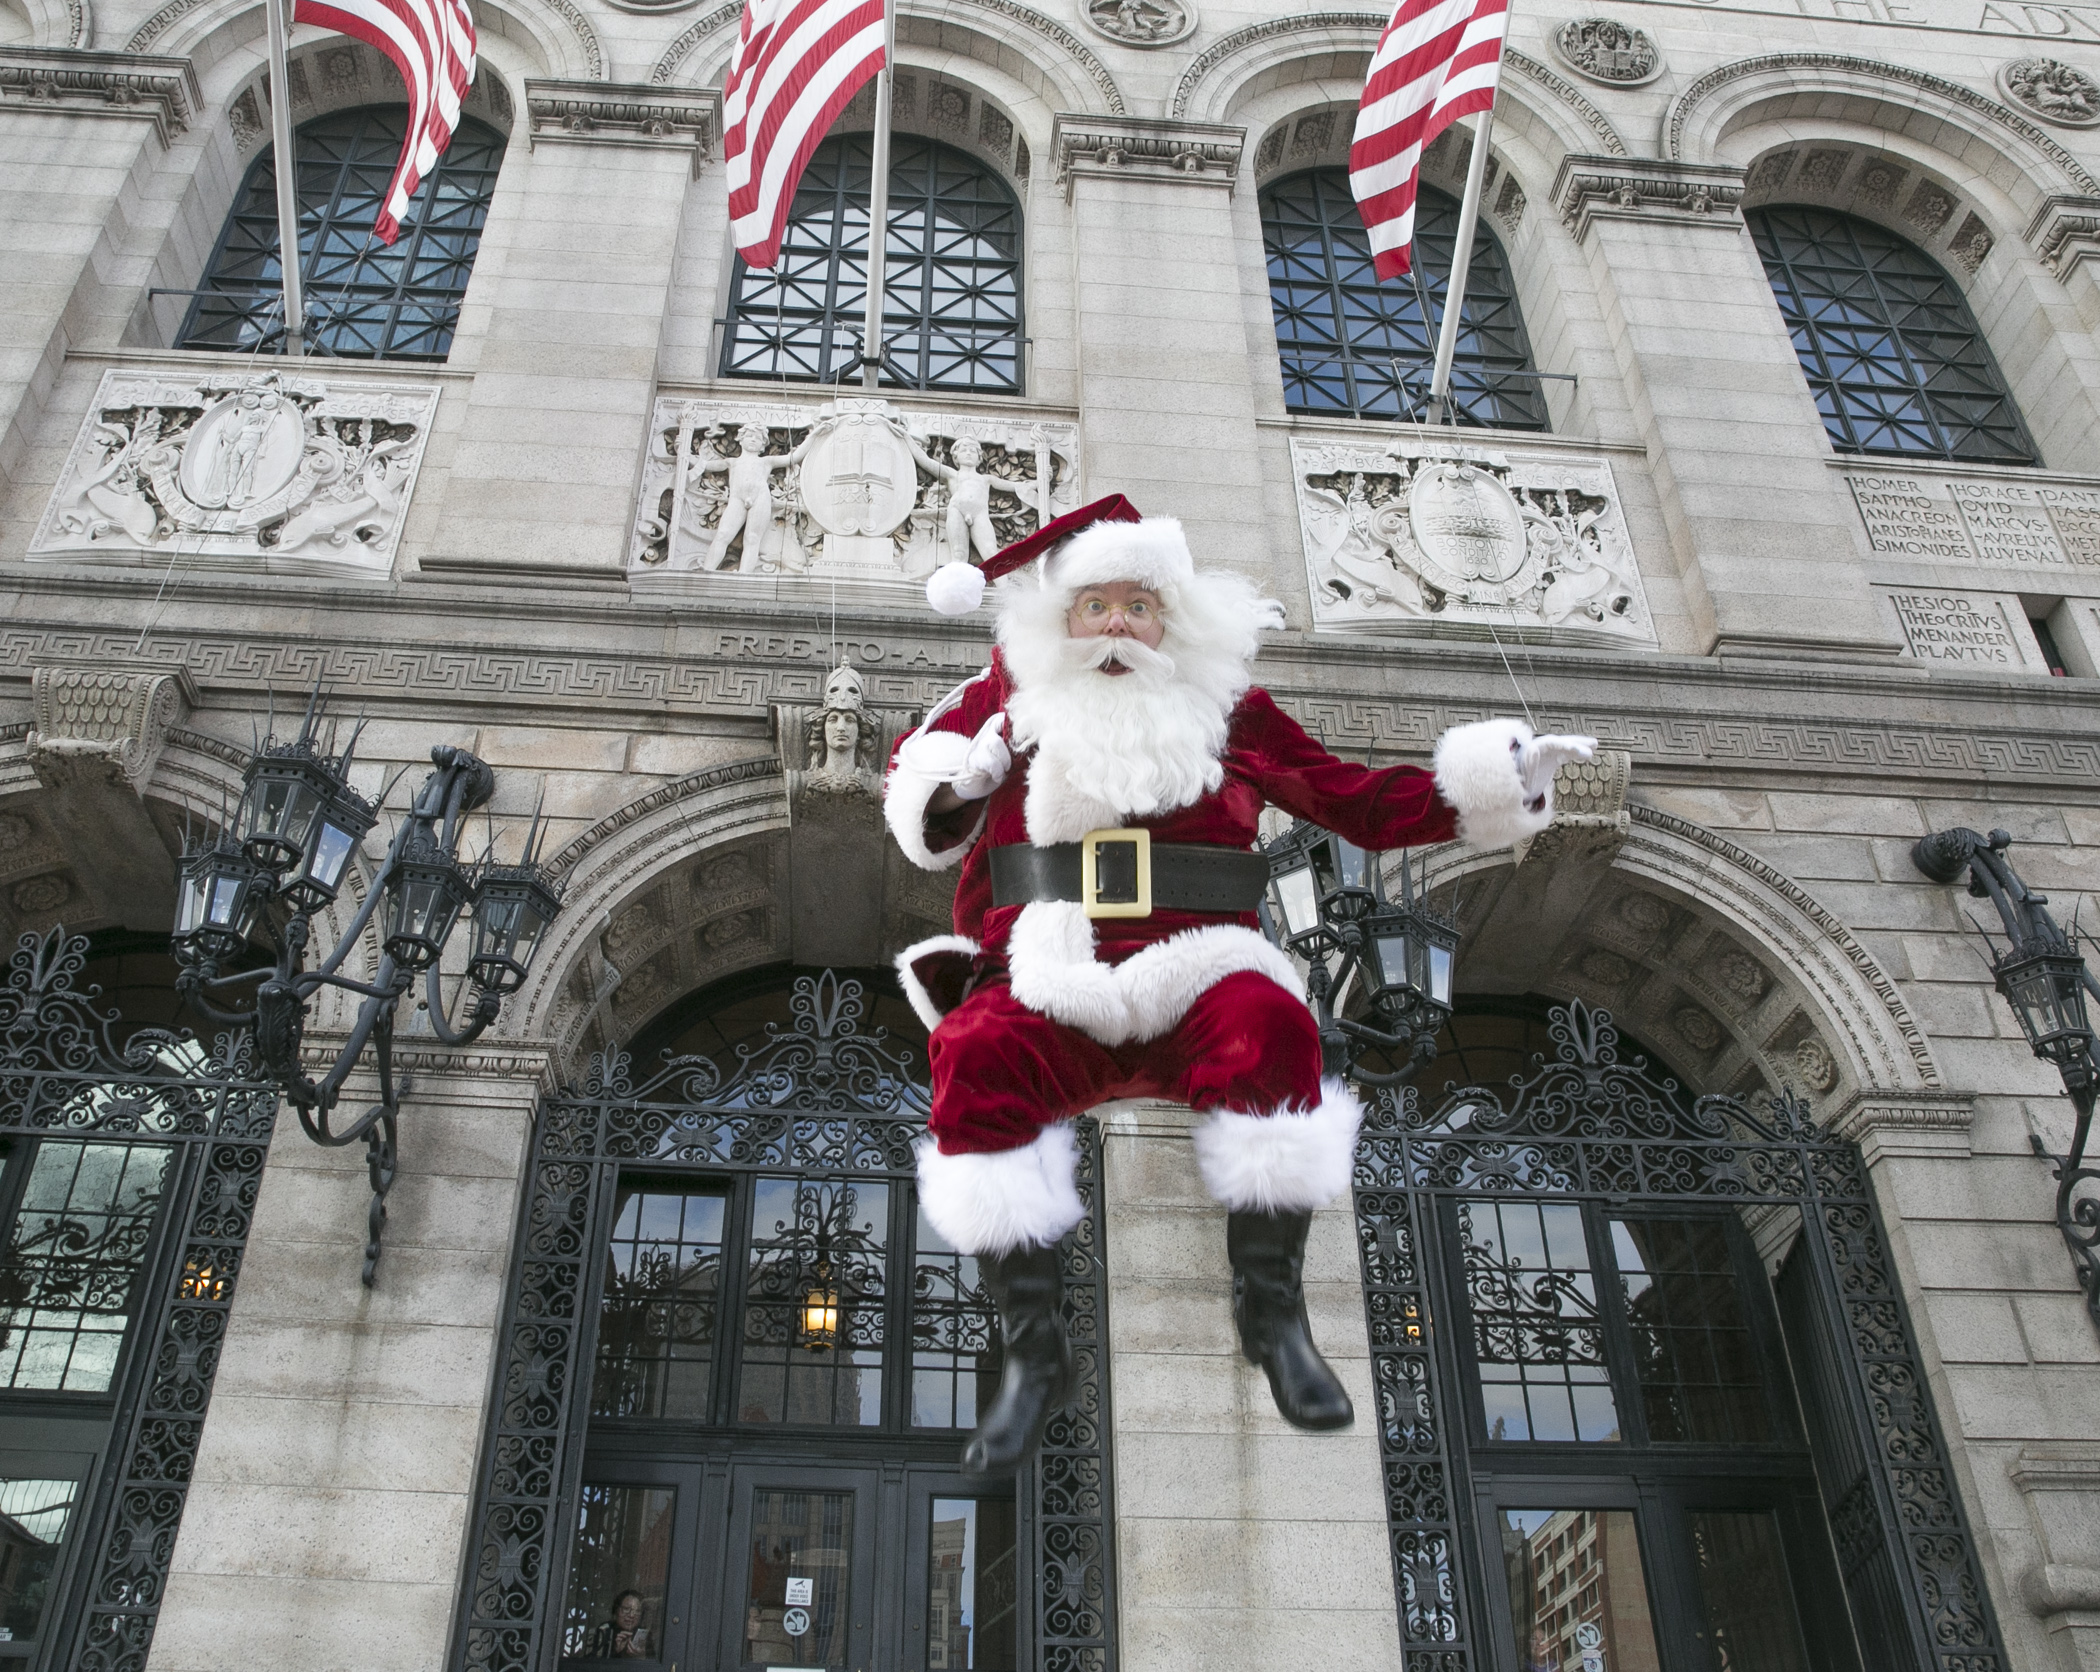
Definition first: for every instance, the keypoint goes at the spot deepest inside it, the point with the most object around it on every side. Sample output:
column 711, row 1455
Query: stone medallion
column 2052, row 90
column 245, row 448
column 1607, row 50
column 1141, row 22
column 1470, row 531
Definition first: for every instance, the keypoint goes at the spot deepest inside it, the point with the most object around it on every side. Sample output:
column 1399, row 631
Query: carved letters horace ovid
column 856, row 489
column 240, row 466
column 1442, row 533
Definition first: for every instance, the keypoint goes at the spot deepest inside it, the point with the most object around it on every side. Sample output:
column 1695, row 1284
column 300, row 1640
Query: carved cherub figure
column 969, row 522
column 748, row 509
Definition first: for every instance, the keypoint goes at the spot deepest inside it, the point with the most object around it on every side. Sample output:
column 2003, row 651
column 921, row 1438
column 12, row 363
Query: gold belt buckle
column 1090, row 846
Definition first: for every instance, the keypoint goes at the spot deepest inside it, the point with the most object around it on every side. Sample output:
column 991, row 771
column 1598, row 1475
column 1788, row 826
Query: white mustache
column 1138, row 657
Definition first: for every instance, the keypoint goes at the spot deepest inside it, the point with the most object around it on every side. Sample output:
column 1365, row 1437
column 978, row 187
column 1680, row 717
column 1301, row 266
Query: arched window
column 1353, row 345
column 1888, row 344
column 952, row 302
column 364, row 299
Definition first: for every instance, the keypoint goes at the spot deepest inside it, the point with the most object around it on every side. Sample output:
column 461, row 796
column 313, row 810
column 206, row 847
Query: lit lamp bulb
column 820, row 1315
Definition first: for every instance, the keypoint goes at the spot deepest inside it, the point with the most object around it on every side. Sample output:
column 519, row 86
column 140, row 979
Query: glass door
column 799, row 1587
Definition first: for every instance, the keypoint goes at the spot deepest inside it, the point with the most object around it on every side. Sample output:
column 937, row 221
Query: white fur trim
column 915, row 992
column 927, row 761
column 1051, row 964
column 1476, row 772
column 1285, row 1162
column 1153, row 553
column 993, row 1204
column 955, row 588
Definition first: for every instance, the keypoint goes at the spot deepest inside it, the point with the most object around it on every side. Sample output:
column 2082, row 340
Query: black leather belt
column 1124, row 873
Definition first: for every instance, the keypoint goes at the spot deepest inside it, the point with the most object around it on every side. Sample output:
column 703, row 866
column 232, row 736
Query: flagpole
column 287, row 172
column 879, row 207
column 1461, row 267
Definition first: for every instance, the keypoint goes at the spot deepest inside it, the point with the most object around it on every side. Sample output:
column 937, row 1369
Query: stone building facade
column 516, row 530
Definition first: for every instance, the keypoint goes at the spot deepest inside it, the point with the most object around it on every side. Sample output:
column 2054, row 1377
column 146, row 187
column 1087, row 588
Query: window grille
column 1354, row 346
column 952, row 290
column 1887, row 342
column 364, row 299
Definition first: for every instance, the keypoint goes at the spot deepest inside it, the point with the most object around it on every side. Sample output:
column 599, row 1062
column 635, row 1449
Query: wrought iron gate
column 63, row 1076
column 1589, row 1125
column 821, row 1099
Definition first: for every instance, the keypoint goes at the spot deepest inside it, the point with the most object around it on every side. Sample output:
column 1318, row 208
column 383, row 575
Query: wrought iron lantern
column 284, row 858
column 1378, row 971
column 820, row 1312
column 2042, row 975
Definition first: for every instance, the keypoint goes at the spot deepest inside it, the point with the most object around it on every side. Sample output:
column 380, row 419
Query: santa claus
column 1100, row 785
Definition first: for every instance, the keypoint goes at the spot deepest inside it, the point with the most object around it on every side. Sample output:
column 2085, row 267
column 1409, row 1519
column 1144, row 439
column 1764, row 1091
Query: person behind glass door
column 623, row 1637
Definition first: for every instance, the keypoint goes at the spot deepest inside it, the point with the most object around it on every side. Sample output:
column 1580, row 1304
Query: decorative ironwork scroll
column 825, row 1100
column 63, row 1076
column 1589, row 1124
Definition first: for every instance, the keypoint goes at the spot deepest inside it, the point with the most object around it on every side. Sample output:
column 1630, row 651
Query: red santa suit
column 1057, row 1012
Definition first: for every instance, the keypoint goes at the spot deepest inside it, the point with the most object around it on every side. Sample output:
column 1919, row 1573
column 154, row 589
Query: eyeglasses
column 1100, row 609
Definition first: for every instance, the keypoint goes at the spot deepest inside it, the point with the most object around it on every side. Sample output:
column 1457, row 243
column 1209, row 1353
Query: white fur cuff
column 1476, row 772
column 924, row 1005
column 1285, row 1162
column 993, row 1204
column 928, row 760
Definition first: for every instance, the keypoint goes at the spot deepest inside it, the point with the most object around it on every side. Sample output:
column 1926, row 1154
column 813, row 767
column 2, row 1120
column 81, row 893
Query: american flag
column 1438, row 60
column 797, row 64
column 432, row 44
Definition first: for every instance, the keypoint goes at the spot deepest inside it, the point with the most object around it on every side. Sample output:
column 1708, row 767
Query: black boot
column 1268, row 1303
column 1028, row 1287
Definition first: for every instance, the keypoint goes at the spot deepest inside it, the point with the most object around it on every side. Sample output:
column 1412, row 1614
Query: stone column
column 1166, row 403
column 327, row 1518
column 1243, row 1545
column 1766, row 541
column 78, row 133
column 561, row 326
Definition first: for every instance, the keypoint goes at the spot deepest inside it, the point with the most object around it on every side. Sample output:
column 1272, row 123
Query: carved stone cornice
column 1930, row 1125
column 1147, row 148
column 612, row 113
column 70, row 82
column 2064, row 232
column 1590, row 189
column 111, row 717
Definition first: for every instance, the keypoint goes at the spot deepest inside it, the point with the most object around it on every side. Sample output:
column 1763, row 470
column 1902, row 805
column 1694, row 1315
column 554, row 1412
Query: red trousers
column 1002, row 1072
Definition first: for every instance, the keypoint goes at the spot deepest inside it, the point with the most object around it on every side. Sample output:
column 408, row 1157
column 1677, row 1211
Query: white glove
column 1539, row 759
column 986, row 765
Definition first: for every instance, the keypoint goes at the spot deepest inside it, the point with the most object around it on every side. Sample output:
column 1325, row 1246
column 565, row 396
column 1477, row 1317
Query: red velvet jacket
column 1268, row 758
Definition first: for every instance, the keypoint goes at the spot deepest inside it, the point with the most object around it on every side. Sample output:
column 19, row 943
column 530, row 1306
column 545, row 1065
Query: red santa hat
column 1105, row 541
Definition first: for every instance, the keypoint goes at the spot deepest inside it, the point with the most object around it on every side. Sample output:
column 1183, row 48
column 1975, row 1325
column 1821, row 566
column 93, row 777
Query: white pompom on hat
column 1107, row 540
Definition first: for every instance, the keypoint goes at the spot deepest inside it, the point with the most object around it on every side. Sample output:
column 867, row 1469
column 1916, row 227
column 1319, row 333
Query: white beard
column 1113, row 748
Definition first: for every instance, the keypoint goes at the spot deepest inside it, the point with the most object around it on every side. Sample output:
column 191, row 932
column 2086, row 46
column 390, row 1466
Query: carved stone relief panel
column 2052, row 90
column 1141, row 22
column 856, row 489
column 1421, row 533
column 1607, row 50
column 239, row 469
column 2015, row 520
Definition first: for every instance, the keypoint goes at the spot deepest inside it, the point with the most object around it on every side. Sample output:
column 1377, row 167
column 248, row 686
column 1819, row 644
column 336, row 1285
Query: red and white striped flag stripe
column 1438, row 60
column 797, row 65
column 431, row 42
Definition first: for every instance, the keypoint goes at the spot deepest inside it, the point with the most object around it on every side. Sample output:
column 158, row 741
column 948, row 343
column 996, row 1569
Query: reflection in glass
column 656, row 1328
column 1536, row 1330
column 956, row 1355
column 1578, row 1598
column 812, row 1236
column 71, row 1261
column 1747, row 1607
column 971, row 1590
column 1691, row 1342
column 616, row 1580
column 801, row 1562
column 33, row 1517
